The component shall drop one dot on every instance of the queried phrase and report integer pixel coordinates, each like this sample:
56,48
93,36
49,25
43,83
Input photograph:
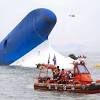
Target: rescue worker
62,77
70,75
56,73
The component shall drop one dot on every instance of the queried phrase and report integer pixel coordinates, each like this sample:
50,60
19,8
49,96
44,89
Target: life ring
73,88
83,87
64,87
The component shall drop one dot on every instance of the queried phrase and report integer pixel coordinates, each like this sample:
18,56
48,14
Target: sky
80,33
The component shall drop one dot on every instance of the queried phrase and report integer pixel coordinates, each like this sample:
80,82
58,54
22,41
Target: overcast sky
81,32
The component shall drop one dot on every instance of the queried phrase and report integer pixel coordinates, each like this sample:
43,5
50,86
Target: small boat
97,65
79,82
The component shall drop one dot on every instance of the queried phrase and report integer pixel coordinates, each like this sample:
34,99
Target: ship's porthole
5,43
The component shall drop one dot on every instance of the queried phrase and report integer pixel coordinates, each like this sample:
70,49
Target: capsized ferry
77,80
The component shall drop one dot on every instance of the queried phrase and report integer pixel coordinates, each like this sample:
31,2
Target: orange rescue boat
79,82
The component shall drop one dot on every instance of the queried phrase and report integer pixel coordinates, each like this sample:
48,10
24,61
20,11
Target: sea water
16,83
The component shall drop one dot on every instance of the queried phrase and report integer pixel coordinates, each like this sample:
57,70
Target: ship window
82,69
5,43
46,72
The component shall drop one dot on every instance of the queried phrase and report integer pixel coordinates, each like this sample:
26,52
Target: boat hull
86,89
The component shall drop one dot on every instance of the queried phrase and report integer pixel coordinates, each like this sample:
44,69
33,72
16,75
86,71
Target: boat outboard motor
29,33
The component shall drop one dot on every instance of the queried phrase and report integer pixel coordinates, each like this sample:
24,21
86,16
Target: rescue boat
79,82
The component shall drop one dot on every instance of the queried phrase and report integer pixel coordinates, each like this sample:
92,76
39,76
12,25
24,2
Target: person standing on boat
49,59
54,60
56,73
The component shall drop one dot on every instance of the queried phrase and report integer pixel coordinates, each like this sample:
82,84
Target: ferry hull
28,34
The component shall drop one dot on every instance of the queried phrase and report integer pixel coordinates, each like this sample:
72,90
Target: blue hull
29,33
